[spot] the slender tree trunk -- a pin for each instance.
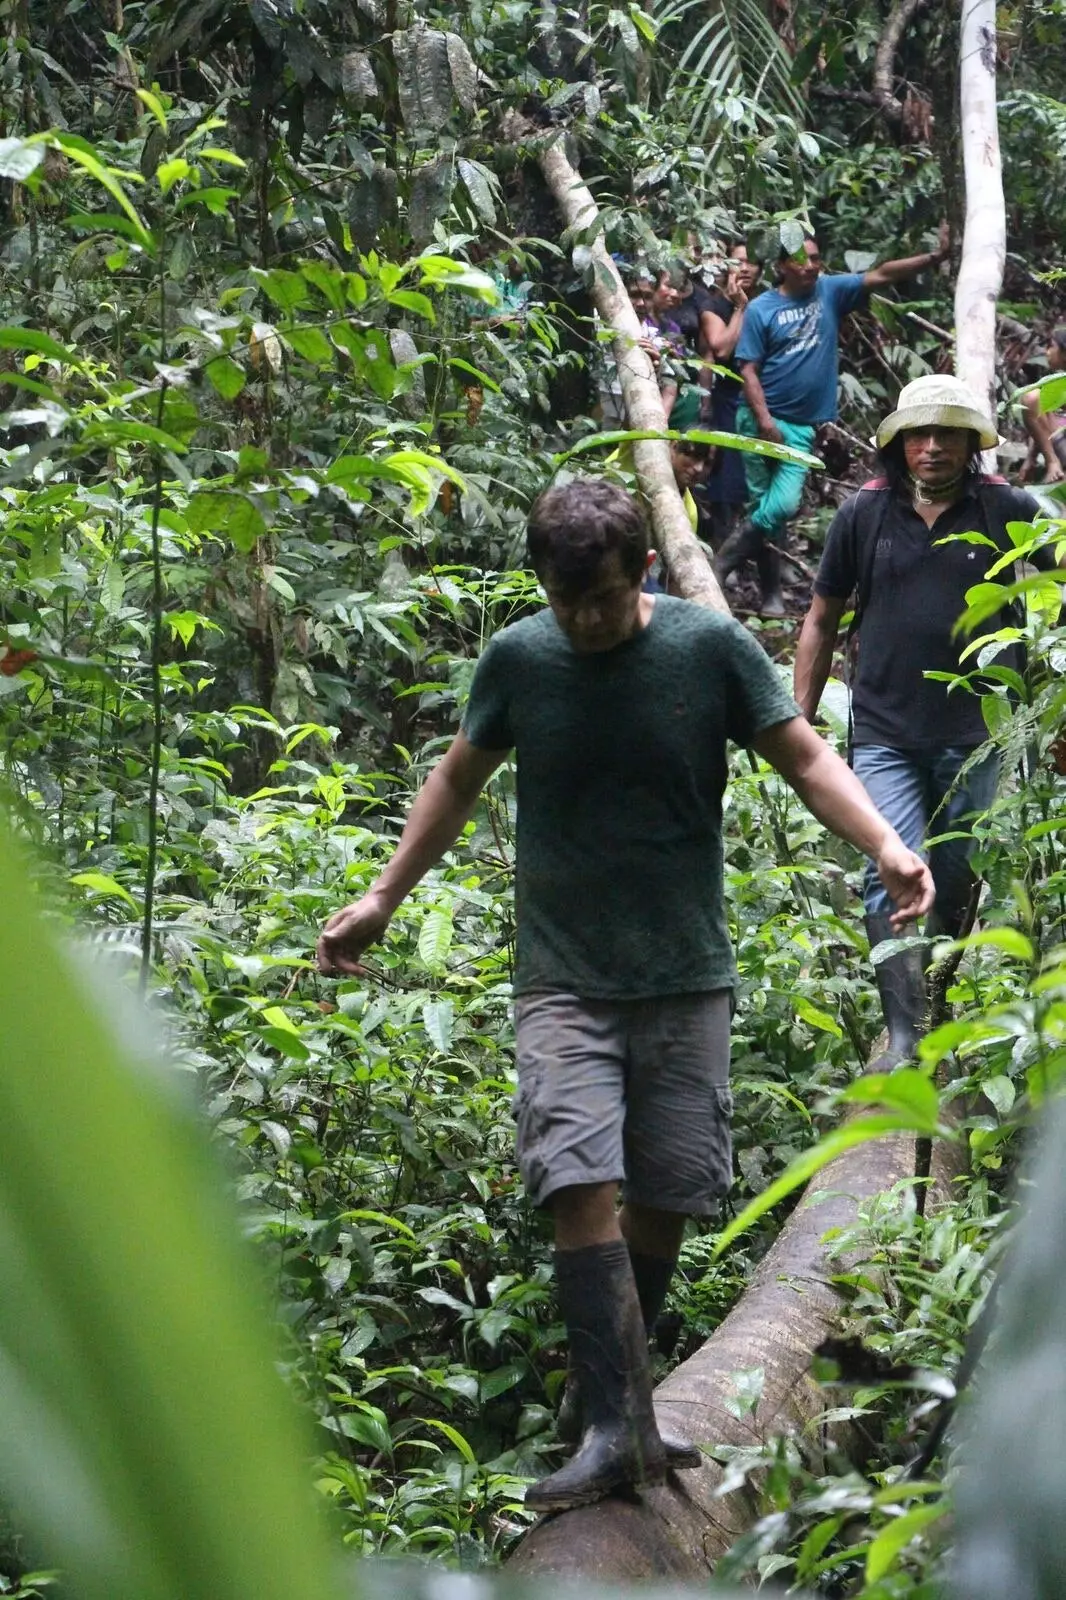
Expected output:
(682, 551)
(984, 244)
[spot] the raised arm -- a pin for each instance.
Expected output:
(434, 822)
(814, 652)
(831, 792)
(907, 267)
(756, 399)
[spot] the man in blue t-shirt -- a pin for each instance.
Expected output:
(788, 358)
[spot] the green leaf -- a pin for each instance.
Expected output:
(103, 883)
(228, 514)
(1001, 1092)
(480, 184)
(168, 173)
(76, 150)
(863, 1130)
(435, 938)
(410, 300)
(438, 1017)
(1008, 940)
(732, 441)
(19, 157)
(906, 1090)
(890, 1543)
(225, 375)
(311, 343)
(138, 1363)
(154, 105)
(816, 1018)
(287, 289)
(32, 339)
(455, 1436)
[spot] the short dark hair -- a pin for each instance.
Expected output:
(574, 527)
(894, 463)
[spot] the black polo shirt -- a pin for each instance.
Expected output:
(917, 592)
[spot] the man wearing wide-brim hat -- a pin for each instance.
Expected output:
(911, 739)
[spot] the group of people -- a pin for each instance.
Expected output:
(618, 705)
(784, 343)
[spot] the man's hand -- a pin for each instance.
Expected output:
(907, 880)
(348, 933)
(769, 431)
(943, 241)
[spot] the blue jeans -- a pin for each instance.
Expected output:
(908, 787)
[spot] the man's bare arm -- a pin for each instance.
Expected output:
(899, 271)
(756, 400)
(831, 792)
(814, 652)
(1041, 430)
(434, 822)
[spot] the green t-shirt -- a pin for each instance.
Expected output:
(621, 762)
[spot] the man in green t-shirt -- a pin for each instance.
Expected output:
(619, 706)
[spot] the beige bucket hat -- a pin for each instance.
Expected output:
(937, 401)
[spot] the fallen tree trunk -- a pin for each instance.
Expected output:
(680, 548)
(682, 1529)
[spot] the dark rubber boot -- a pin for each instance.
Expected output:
(742, 545)
(652, 1275)
(609, 1357)
(901, 985)
(768, 561)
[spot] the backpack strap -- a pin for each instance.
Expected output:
(864, 546)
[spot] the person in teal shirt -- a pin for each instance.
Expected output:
(619, 706)
(788, 359)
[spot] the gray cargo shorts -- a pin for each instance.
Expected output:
(626, 1091)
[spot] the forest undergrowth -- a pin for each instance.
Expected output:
(260, 515)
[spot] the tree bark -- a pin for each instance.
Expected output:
(682, 551)
(890, 107)
(681, 1530)
(984, 244)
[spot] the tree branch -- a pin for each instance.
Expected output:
(899, 17)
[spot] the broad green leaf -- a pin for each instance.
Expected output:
(815, 1017)
(168, 173)
(1001, 1092)
(287, 289)
(435, 938)
(311, 343)
(103, 883)
(438, 1017)
(455, 1436)
(228, 514)
(225, 375)
(1008, 940)
(138, 1370)
(891, 1542)
(32, 339)
(907, 1090)
(154, 105)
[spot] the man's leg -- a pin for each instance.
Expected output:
(777, 492)
(570, 1111)
(952, 802)
(746, 540)
(896, 784)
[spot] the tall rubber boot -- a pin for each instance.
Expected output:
(901, 985)
(652, 1275)
(609, 1356)
(742, 545)
(768, 561)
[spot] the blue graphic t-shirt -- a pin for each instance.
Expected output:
(795, 340)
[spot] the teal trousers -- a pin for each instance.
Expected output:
(775, 487)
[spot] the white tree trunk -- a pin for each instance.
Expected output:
(984, 241)
(681, 550)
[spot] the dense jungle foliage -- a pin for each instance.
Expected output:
(292, 337)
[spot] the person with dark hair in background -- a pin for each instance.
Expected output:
(1046, 429)
(913, 742)
(618, 706)
(788, 358)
